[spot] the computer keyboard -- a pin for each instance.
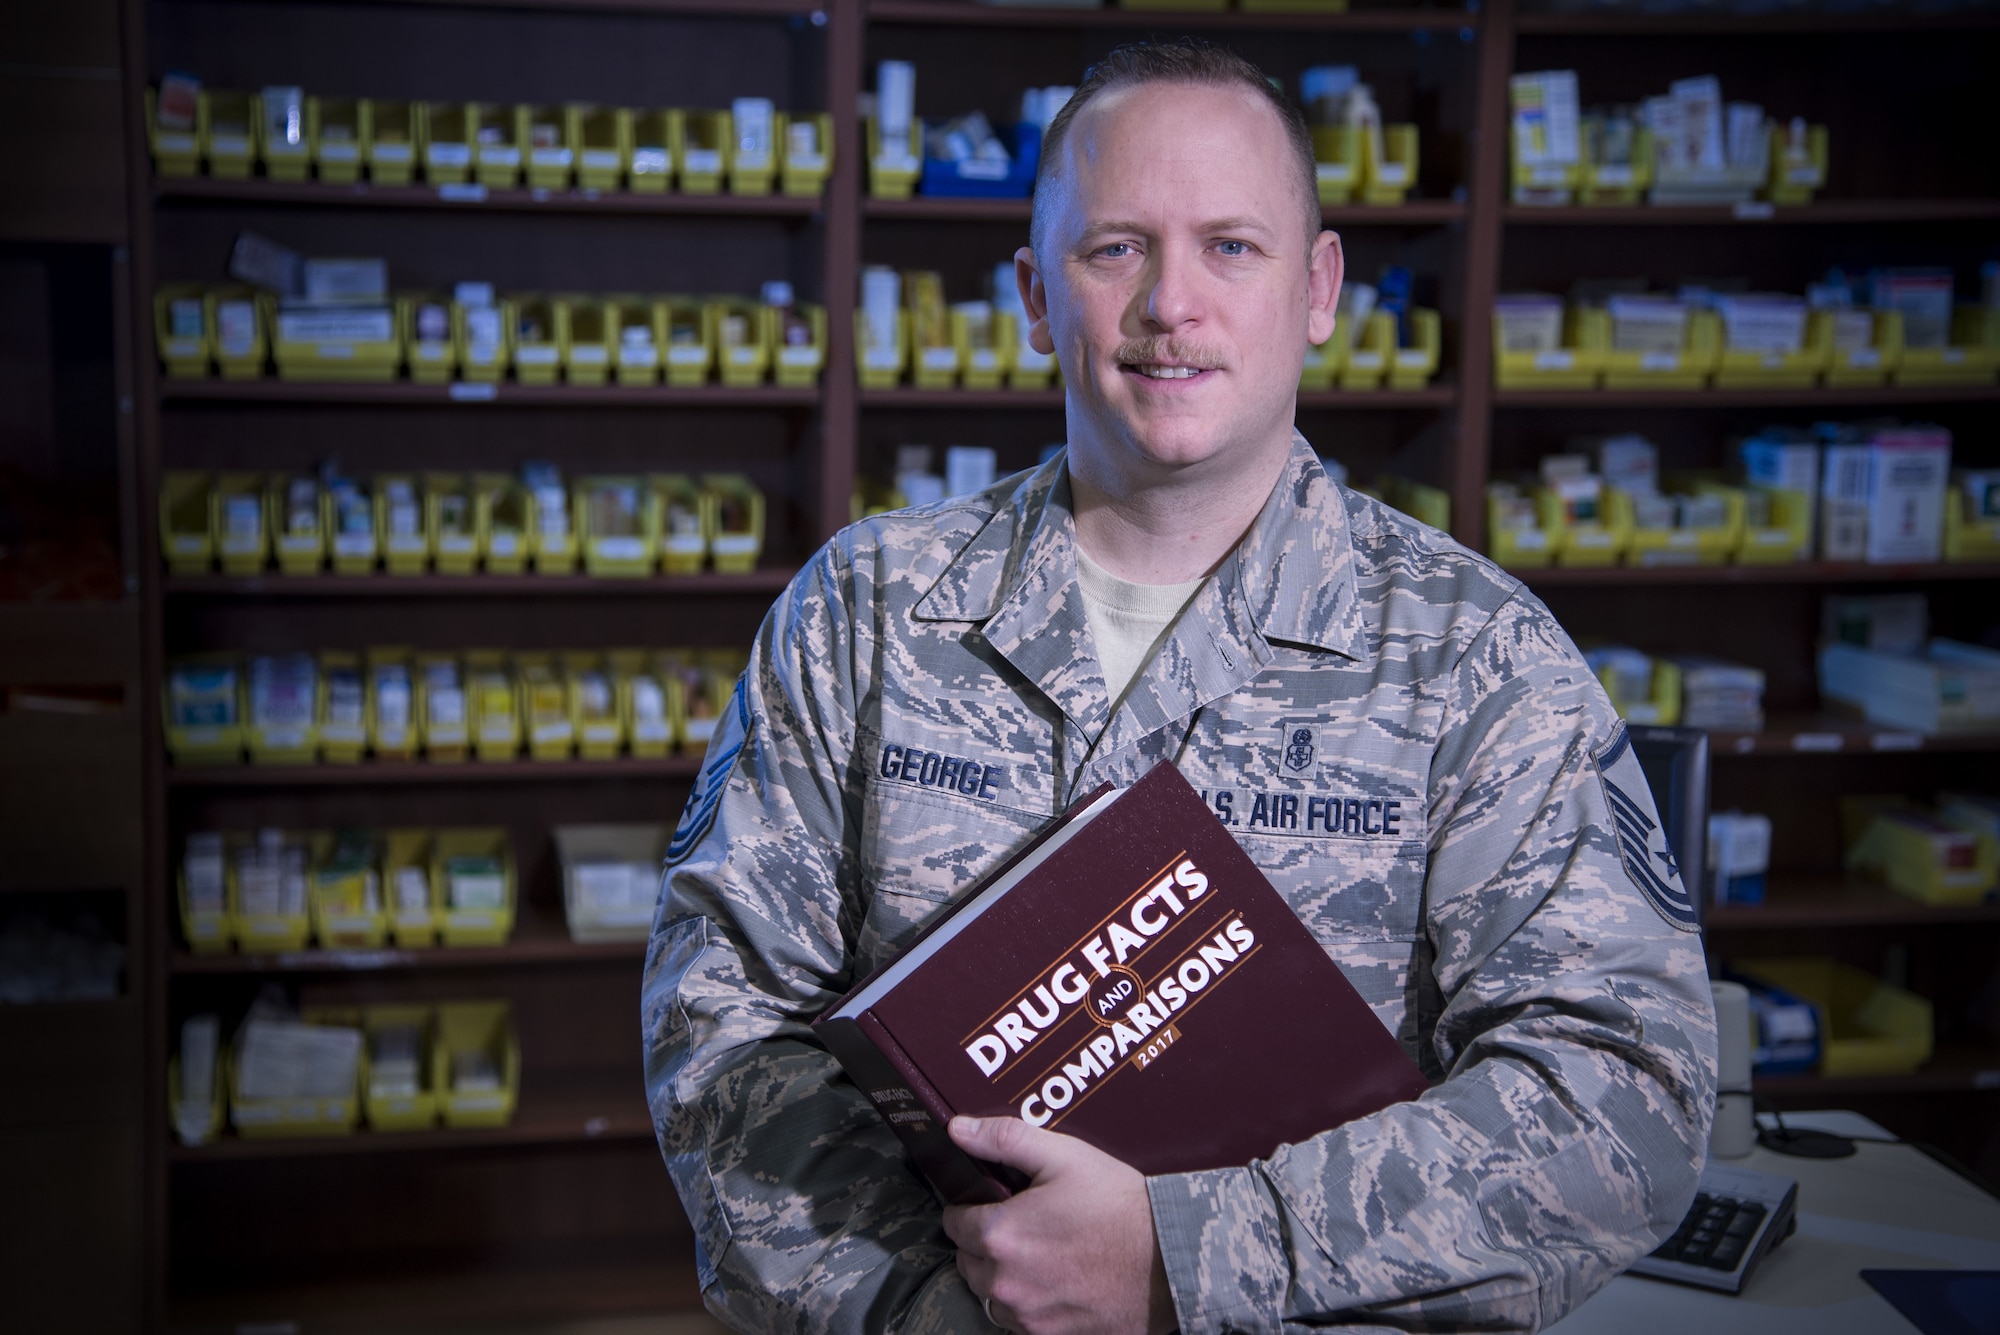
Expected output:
(1737, 1217)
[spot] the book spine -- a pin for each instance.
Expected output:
(912, 1107)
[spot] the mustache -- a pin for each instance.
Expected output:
(1166, 350)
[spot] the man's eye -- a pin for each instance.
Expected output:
(1233, 249)
(1117, 250)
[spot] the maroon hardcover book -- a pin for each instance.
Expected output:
(1130, 978)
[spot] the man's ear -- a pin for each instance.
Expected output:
(1035, 298)
(1323, 276)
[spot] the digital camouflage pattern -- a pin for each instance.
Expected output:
(1402, 738)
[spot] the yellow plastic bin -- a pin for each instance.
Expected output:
(343, 714)
(229, 133)
(239, 336)
(639, 338)
(237, 518)
(596, 705)
(687, 521)
(893, 174)
(736, 533)
(983, 346)
(339, 128)
(881, 367)
(1426, 505)
(1337, 151)
(542, 131)
(1968, 535)
(207, 931)
(1615, 184)
(444, 723)
(202, 708)
(395, 134)
(1415, 366)
(1972, 359)
(1916, 853)
(1797, 170)
(490, 920)
(476, 1063)
(1787, 536)
(1661, 708)
(401, 524)
(204, 1128)
(181, 330)
(744, 333)
(544, 707)
(284, 135)
(493, 706)
(401, 1107)
(588, 339)
(356, 546)
(347, 905)
(646, 700)
(1388, 165)
(690, 340)
(413, 919)
(446, 136)
(496, 144)
(1689, 368)
(1517, 548)
(537, 329)
(706, 143)
(298, 532)
(653, 149)
(325, 1115)
(259, 932)
(176, 148)
(1599, 542)
(451, 516)
(1867, 1027)
(1861, 367)
(187, 528)
(429, 317)
(799, 364)
(751, 172)
(601, 138)
(365, 344)
(1366, 364)
(1674, 545)
(1744, 369)
(617, 521)
(286, 741)
(506, 522)
(1577, 364)
(807, 155)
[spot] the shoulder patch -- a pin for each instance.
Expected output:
(1642, 841)
(731, 731)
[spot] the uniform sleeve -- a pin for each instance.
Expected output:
(1565, 997)
(805, 1214)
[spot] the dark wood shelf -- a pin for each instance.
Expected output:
(1825, 734)
(963, 13)
(505, 393)
(1953, 1070)
(562, 1113)
(1431, 396)
(370, 772)
(1791, 572)
(1820, 212)
(1745, 25)
(467, 1295)
(1415, 213)
(539, 938)
(1795, 902)
(476, 198)
(1883, 396)
(689, 8)
(381, 585)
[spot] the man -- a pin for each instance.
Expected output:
(1397, 732)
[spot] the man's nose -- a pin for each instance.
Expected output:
(1174, 296)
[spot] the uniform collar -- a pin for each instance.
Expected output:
(1291, 578)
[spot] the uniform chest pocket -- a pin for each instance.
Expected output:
(919, 852)
(1346, 890)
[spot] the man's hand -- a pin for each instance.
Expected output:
(1073, 1253)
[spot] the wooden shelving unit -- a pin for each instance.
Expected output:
(1445, 66)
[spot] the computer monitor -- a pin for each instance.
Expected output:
(1675, 762)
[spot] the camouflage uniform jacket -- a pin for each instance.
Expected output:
(1402, 738)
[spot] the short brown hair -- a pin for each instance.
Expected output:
(1186, 61)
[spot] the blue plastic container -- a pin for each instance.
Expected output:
(982, 180)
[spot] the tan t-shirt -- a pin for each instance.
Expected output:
(1127, 621)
